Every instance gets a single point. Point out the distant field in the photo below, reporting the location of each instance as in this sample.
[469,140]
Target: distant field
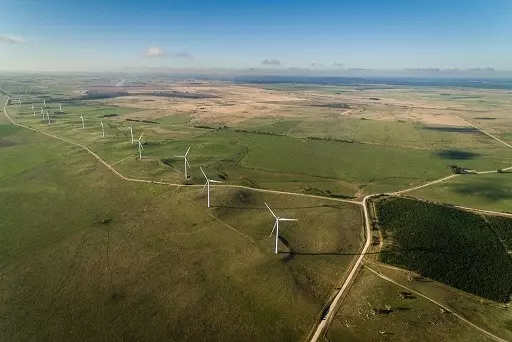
[341,139]
[452,246]
[85,255]
[377,310]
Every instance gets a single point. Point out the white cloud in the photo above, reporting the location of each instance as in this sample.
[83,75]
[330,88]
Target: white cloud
[154,51]
[11,39]
[269,61]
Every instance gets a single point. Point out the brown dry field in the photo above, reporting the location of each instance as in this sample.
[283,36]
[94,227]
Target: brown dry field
[225,103]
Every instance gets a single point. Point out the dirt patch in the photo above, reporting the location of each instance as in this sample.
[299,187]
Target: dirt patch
[208,103]
[227,104]
[440,119]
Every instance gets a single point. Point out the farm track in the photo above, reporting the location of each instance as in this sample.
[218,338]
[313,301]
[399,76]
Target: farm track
[334,305]
[484,132]
[483,331]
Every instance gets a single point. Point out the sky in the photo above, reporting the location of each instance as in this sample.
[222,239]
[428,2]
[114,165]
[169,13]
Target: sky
[76,35]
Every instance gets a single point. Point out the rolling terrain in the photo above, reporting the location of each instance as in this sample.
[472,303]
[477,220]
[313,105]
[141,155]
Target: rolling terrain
[311,153]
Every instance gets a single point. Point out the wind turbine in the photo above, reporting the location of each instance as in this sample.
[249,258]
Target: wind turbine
[276,225]
[82,117]
[48,116]
[102,130]
[19,100]
[131,131]
[140,146]
[60,108]
[44,103]
[208,184]
[33,110]
[186,162]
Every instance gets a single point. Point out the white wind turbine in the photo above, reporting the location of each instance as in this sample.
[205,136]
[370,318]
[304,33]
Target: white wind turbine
[44,103]
[48,117]
[131,131]
[208,181]
[276,224]
[186,162]
[33,110]
[82,117]
[60,108]
[140,146]
[102,130]
[19,101]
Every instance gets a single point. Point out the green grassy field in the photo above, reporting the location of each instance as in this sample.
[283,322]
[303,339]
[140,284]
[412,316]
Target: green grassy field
[88,256]
[239,155]
[391,154]
[376,310]
[128,261]
[485,191]
[454,247]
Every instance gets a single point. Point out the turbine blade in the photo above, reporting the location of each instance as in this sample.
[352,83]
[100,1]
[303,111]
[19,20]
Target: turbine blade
[214,181]
[204,187]
[270,210]
[187,151]
[285,219]
[141,136]
[272,232]
[179,156]
[204,174]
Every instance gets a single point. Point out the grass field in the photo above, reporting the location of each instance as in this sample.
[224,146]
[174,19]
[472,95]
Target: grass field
[491,191]
[400,137]
[452,246]
[88,256]
[376,310]
[235,154]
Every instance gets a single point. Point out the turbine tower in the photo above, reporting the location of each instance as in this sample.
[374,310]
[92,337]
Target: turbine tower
[276,224]
[131,131]
[60,108]
[140,146]
[82,117]
[208,181]
[44,102]
[33,110]
[102,130]
[186,162]
[19,101]
[48,117]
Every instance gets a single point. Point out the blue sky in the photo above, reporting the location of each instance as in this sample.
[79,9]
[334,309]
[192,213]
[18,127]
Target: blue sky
[391,34]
